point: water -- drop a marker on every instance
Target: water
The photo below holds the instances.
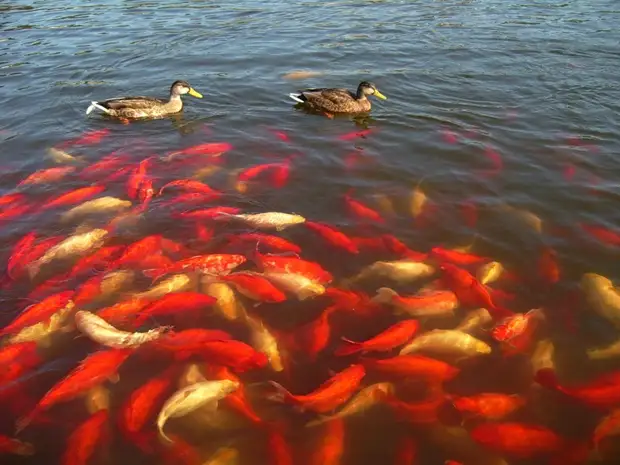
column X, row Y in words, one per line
column 534, row 81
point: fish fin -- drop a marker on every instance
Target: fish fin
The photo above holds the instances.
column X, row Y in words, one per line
column 282, row 394
column 348, row 348
column 296, row 97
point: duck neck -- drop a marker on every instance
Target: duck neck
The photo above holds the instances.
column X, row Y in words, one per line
column 360, row 95
column 174, row 98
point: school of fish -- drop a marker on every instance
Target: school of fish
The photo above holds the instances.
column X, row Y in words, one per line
column 179, row 344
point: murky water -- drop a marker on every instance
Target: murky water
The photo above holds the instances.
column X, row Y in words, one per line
column 469, row 83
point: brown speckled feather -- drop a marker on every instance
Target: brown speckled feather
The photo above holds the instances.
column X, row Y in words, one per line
column 335, row 100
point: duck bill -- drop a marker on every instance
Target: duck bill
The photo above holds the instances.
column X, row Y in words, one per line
column 194, row 93
column 379, row 95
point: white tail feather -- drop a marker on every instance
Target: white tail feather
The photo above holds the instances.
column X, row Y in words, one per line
column 95, row 105
column 296, row 97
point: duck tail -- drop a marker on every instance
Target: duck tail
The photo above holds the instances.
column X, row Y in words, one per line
column 95, row 105
column 296, row 97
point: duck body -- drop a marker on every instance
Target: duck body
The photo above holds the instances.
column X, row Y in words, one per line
column 145, row 107
column 336, row 100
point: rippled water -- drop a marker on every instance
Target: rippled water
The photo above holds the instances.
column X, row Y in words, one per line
column 537, row 82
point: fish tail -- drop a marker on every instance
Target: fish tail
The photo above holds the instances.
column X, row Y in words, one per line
column 296, row 96
column 96, row 105
column 282, row 394
column 348, row 348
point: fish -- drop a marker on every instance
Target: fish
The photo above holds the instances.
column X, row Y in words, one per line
column 207, row 148
column 103, row 286
column 407, row 451
column 192, row 397
column 214, row 264
column 602, row 234
column 101, row 206
column 254, row 286
column 226, row 303
column 394, row 336
column 313, row 337
column 518, row 440
column 136, row 178
column 276, row 243
column 543, row 356
column 400, row 271
column 84, row 440
column 61, row 157
column 73, row 197
column 278, row 449
column 601, row 393
column 39, row 312
column 174, row 303
column 475, row 321
column 601, row 297
column 609, row 426
column 98, row 330
column 175, row 283
column 328, row 396
column 418, row 413
column 605, row 353
column 548, row 268
column 362, row 211
column 437, row 303
column 455, row 257
column 72, row 247
column 489, row 272
column 280, row 264
column 302, row 75
column 191, row 185
column 417, row 200
column 223, row 456
column 330, row 448
column 100, row 260
column 105, row 165
column 48, row 175
column 406, row 366
column 264, row 341
column 333, row 236
column 512, row 327
column 490, row 406
column 299, row 285
column 92, row 371
column 41, row 333
column 360, row 403
column 19, row 251
column 355, row 134
column 207, row 213
column 14, row 446
column 98, row 398
column 447, row 342
column 270, row 220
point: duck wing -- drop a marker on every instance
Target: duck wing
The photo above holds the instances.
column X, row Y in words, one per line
column 336, row 96
column 136, row 103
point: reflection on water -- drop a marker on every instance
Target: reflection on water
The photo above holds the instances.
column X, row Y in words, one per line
column 498, row 139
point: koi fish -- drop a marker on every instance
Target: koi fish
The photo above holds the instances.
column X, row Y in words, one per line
column 85, row 439
column 208, row 148
column 20, row 249
column 601, row 393
column 174, row 303
column 192, row 397
column 455, row 257
column 419, row 413
column 15, row 446
column 331, row 394
column 361, row 211
column 101, row 259
column 314, row 336
column 514, row 326
column 279, row 450
column 396, row 335
column 275, row 243
column 48, row 175
column 355, row 134
column 278, row 264
column 214, row 264
column 120, row 312
column 302, row 287
column 237, row 400
column 174, row 283
column 208, row 213
column 333, row 236
column 190, row 185
column 254, row 286
column 490, row 406
column 602, row 297
column 330, row 448
column 101, row 206
column 88, row 138
column 475, row 321
column 41, row 311
column 448, row 342
column 225, row 300
column 400, row 271
column 518, row 440
column 264, row 341
column 107, row 164
column 270, row 220
column 438, row 303
column 489, row 272
column 72, row 197
column 137, row 177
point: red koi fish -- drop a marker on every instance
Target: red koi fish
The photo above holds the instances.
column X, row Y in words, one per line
column 92, row 371
column 137, row 177
column 406, row 451
column 361, row 211
column 73, row 197
column 602, row 234
column 419, row 413
column 275, row 243
column 117, row 175
column 14, row 211
column 255, row 287
column 192, row 186
column 253, row 172
column 29, row 254
column 371, row 244
column 489, row 406
column 455, row 257
column 209, row 148
column 313, row 337
column 514, row 326
column 119, row 313
column 48, row 175
column 19, row 251
column 330, row 447
column 518, row 440
column 279, row 451
column 89, row 291
column 16, row 359
column 204, row 234
column 11, row 199
column 283, row 136
column 143, row 403
column 88, row 138
column 602, row 393
column 106, row 165
column 38, row 312
column 189, row 340
column 449, row 136
column 396, row 246
column 294, row 265
column 333, row 236
column 237, row 400
column 208, row 213
column 469, row 291
column 412, row 366
column 135, row 252
column 355, row 134
column 215, row 264
column 234, row 354
column 327, row 397
column 497, row 164
column 548, row 268
column 173, row 304
column 14, row 446
column 100, row 260
column 569, row 171
column 85, row 439
column 396, row 335
column 146, row 191
column 178, row 452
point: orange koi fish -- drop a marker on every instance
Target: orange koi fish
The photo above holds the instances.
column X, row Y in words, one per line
column 14, row 211
column 209, row 148
column 137, row 177
column 16, row 359
column 518, row 440
column 106, row 165
column 330, row 447
column 455, row 257
column 208, row 213
column 313, row 337
column 548, row 268
column 215, row 264
column 48, row 175
column 118, row 314
column 361, row 211
column 489, row 406
column 92, row 371
column 279, row 450
column 37, row 313
column 420, row 413
column 333, row 236
column 602, row 234
column 14, row 446
column 327, row 397
column 21, row 248
column 236, row 400
column 275, row 243
column 100, row 260
column 514, row 326
column 412, row 366
column 73, row 197
column 395, row 336
column 255, row 287
column 31, row 254
column 174, row 303
column 85, row 439
column 190, row 185
column 355, row 134
column 88, row 138
column 310, row 270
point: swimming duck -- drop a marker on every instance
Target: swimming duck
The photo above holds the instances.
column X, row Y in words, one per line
column 145, row 107
column 339, row 100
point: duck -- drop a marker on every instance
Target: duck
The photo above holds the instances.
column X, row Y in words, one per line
column 145, row 107
column 338, row 100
